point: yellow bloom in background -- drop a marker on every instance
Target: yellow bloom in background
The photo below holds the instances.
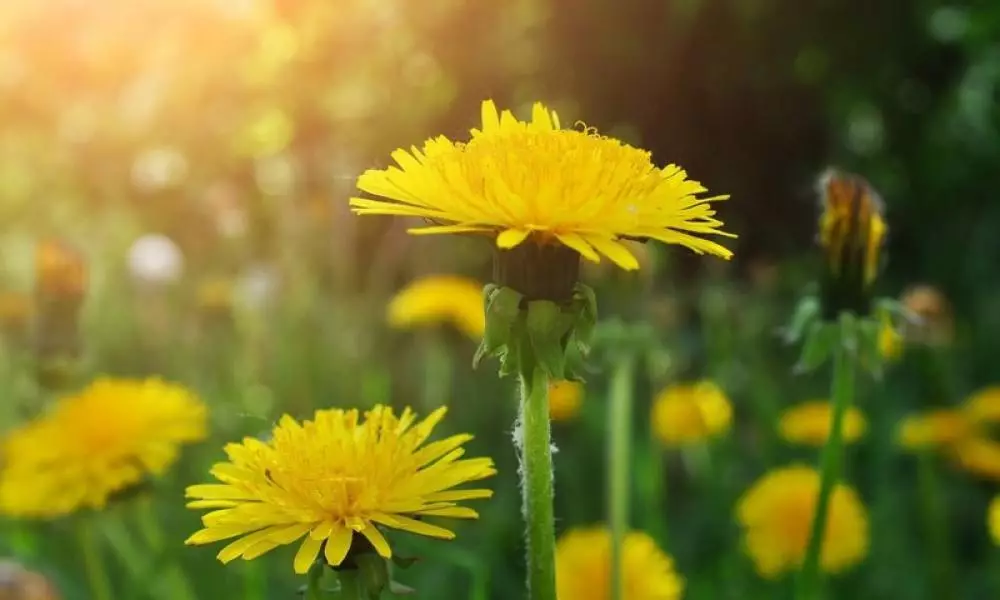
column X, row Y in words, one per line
column 979, row 456
column 984, row 405
column 583, row 558
column 215, row 295
column 934, row 429
column 993, row 520
column 517, row 180
column 890, row 340
column 565, row 399
column 338, row 475
column 440, row 299
column 691, row 413
column 776, row 514
column 96, row 443
column 809, row 424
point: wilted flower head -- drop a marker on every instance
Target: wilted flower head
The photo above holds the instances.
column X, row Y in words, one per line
column 565, row 399
column 437, row 299
column 334, row 481
column 690, row 413
column 810, row 423
column 19, row 583
column 60, row 271
column 851, row 233
column 94, row 444
column 155, row 259
column 777, row 512
column 935, row 325
column 583, row 557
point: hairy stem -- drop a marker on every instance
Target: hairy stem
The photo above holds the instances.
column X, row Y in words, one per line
column 536, row 485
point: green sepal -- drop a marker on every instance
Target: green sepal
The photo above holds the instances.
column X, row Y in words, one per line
column 869, row 353
column 398, row 589
column 547, row 327
column 502, row 307
column 373, row 574
column 806, row 313
column 404, row 562
column 820, row 339
column 585, row 310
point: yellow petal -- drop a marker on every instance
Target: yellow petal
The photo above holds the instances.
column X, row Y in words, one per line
column 453, row 512
column 457, row 495
column 337, row 545
column 306, row 554
column 574, row 241
column 377, row 540
column 614, row 250
column 512, row 237
column 437, row 229
column 491, row 120
column 414, row 526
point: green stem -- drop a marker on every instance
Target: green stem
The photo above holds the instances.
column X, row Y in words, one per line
column 656, row 489
column 841, row 395
column 619, row 465
column 90, row 551
column 935, row 527
column 537, row 486
column 175, row 582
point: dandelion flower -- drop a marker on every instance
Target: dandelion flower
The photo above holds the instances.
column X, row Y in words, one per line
column 934, row 429
column 691, row 413
column 565, row 399
column 440, row 299
column 776, row 514
column 993, row 520
column 583, row 557
column 338, row 475
column 809, row 424
column 984, row 406
column 94, row 444
column 979, row 456
column 534, row 180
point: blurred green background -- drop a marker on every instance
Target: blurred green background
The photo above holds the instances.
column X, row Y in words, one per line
column 237, row 128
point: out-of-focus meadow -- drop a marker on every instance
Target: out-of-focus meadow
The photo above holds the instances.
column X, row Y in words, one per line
column 183, row 168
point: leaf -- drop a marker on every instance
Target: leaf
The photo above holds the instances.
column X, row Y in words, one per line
column 805, row 314
column 819, row 342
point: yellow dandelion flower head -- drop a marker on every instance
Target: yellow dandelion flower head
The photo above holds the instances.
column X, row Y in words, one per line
column 565, row 399
column 993, row 520
column 534, row 179
column 983, row 407
column 809, row 424
column 691, row 413
column 335, row 476
column 583, row 556
column 934, row 429
column 440, row 299
column 96, row 443
column 978, row 455
column 776, row 514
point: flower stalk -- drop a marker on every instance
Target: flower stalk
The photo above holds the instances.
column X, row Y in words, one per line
column 841, row 396
column 537, row 485
column 619, row 464
column 93, row 563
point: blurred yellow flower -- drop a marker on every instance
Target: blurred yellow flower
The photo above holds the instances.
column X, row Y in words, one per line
column 691, row 413
column 565, row 399
column 335, row 476
column 776, row 514
column 984, row 405
column 934, row 429
column 993, row 519
column 15, row 309
column 60, row 270
column 583, row 556
column 532, row 179
column 809, row 424
column 215, row 295
column 440, row 299
column 979, row 456
column 96, row 443
column 890, row 340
